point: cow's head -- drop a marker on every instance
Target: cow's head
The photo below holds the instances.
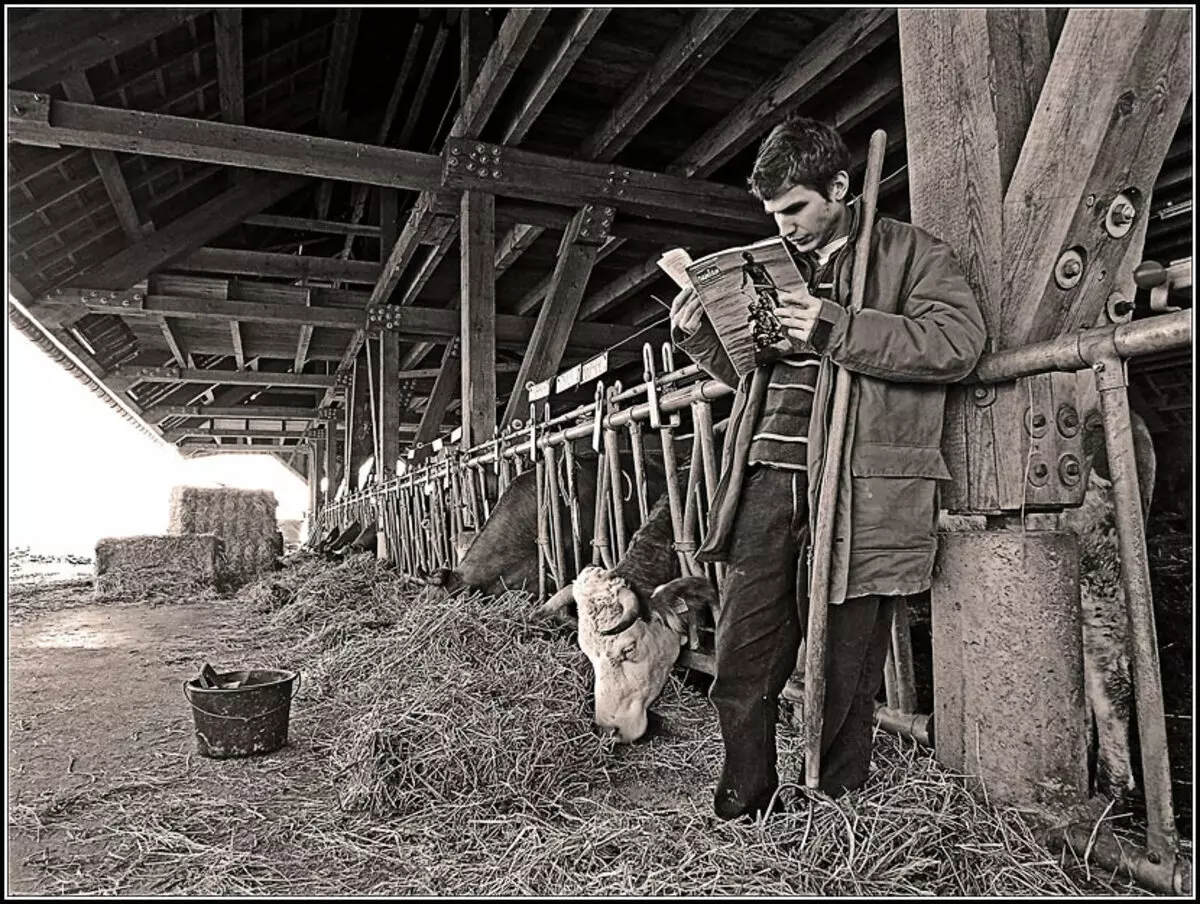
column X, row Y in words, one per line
column 446, row 578
column 631, row 643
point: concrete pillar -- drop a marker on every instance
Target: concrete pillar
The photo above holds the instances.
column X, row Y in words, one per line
column 1009, row 705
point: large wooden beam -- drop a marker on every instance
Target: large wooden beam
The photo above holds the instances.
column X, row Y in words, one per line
column 576, row 256
column 302, row 224
column 232, row 377
column 448, row 377
column 839, row 47
column 189, row 232
column 389, row 393
column 77, row 89
column 1112, row 101
column 49, row 45
column 227, row 27
column 478, row 325
column 287, row 266
column 239, row 351
column 35, row 119
column 157, row 413
column 178, row 433
column 177, row 351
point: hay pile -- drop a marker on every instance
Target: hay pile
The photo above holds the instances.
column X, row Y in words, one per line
column 158, row 569
column 444, row 746
column 243, row 519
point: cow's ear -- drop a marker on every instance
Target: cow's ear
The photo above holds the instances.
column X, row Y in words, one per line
column 678, row 623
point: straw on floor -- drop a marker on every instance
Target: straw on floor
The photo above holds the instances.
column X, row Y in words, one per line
column 444, row 746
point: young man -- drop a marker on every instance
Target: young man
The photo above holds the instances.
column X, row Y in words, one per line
column 920, row 328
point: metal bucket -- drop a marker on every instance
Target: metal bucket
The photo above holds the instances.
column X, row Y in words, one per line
column 245, row 720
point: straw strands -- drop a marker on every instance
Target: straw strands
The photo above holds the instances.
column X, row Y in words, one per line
column 243, row 519
column 444, row 746
column 158, row 569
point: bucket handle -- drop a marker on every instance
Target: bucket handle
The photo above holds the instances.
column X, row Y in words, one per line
column 186, row 684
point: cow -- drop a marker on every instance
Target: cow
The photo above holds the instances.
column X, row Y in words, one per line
column 504, row 553
column 632, row 622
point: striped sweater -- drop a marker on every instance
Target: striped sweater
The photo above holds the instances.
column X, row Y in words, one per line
column 781, row 436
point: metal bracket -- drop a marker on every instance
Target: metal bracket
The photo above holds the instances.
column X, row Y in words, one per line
column 29, row 118
column 616, row 181
column 595, row 224
column 465, row 161
column 384, row 317
column 105, row 298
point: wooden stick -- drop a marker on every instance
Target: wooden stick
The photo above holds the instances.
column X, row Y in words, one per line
column 831, row 472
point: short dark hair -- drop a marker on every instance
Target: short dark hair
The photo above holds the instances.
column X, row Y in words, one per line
column 798, row 151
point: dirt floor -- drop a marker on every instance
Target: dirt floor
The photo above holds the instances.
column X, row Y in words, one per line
column 96, row 695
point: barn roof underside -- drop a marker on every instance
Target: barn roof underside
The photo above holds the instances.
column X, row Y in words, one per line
column 229, row 247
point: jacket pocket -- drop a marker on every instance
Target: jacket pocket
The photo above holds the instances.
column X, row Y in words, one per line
column 894, row 460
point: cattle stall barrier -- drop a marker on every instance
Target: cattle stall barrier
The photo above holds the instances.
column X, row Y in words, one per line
column 423, row 512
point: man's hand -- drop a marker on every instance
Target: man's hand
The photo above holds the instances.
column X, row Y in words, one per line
column 797, row 312
column 686, row 312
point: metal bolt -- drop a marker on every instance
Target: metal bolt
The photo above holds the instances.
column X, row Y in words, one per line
column 1070, row 419
column 1039, row 420
column 1123, row 213
column 1040, row 470
column 124, row 302
column 981, row 392
column 454, row 151
column 1091, row 200
column 1071, row 268
column 137, row 296
column 1071, row 468
column 471, row 166
column 1121, row 308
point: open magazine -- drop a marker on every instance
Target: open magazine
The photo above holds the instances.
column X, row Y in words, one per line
column 739, row 289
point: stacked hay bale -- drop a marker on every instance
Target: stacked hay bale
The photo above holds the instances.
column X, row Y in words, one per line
column 157, row 568
column 243, row 519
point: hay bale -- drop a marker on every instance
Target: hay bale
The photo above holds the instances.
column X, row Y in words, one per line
column 243, row 519
column 156, row 567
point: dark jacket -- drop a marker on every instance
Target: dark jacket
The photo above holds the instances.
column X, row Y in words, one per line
column 920, row 328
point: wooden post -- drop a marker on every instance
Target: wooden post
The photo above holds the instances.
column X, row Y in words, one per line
column 332, row 474
column 359, row 433
column 478, row 281
column 389, row 419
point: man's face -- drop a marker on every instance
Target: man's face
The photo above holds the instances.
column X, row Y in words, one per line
column 807, row 218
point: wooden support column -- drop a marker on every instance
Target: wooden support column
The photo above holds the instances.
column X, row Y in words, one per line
column 1020, row 162
column 360, row 443
column 388, row 387
column 316, row 465
column 588, row 230
column 443, row 391
column 332, row 470
column 478, row 282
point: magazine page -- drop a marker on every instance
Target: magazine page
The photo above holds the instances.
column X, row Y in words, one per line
column 739, row 289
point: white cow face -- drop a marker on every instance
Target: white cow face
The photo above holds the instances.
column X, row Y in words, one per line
column 630, row 667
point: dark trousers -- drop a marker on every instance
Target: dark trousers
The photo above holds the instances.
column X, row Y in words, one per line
column 758, row 636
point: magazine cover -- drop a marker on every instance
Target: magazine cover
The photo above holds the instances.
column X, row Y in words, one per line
column 739, row 289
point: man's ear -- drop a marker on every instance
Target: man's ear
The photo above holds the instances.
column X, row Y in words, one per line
column 839, row 186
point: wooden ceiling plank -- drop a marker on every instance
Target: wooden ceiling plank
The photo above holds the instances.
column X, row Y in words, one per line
column 844, row 43
column 190, row 231
column 385, row 128
column 333, row 92
column 287, row 266
column 51, row 44
column 572, row 46
column 231, row 79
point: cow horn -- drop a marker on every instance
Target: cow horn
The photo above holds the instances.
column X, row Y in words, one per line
column 563, row 598
column 631, row 611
